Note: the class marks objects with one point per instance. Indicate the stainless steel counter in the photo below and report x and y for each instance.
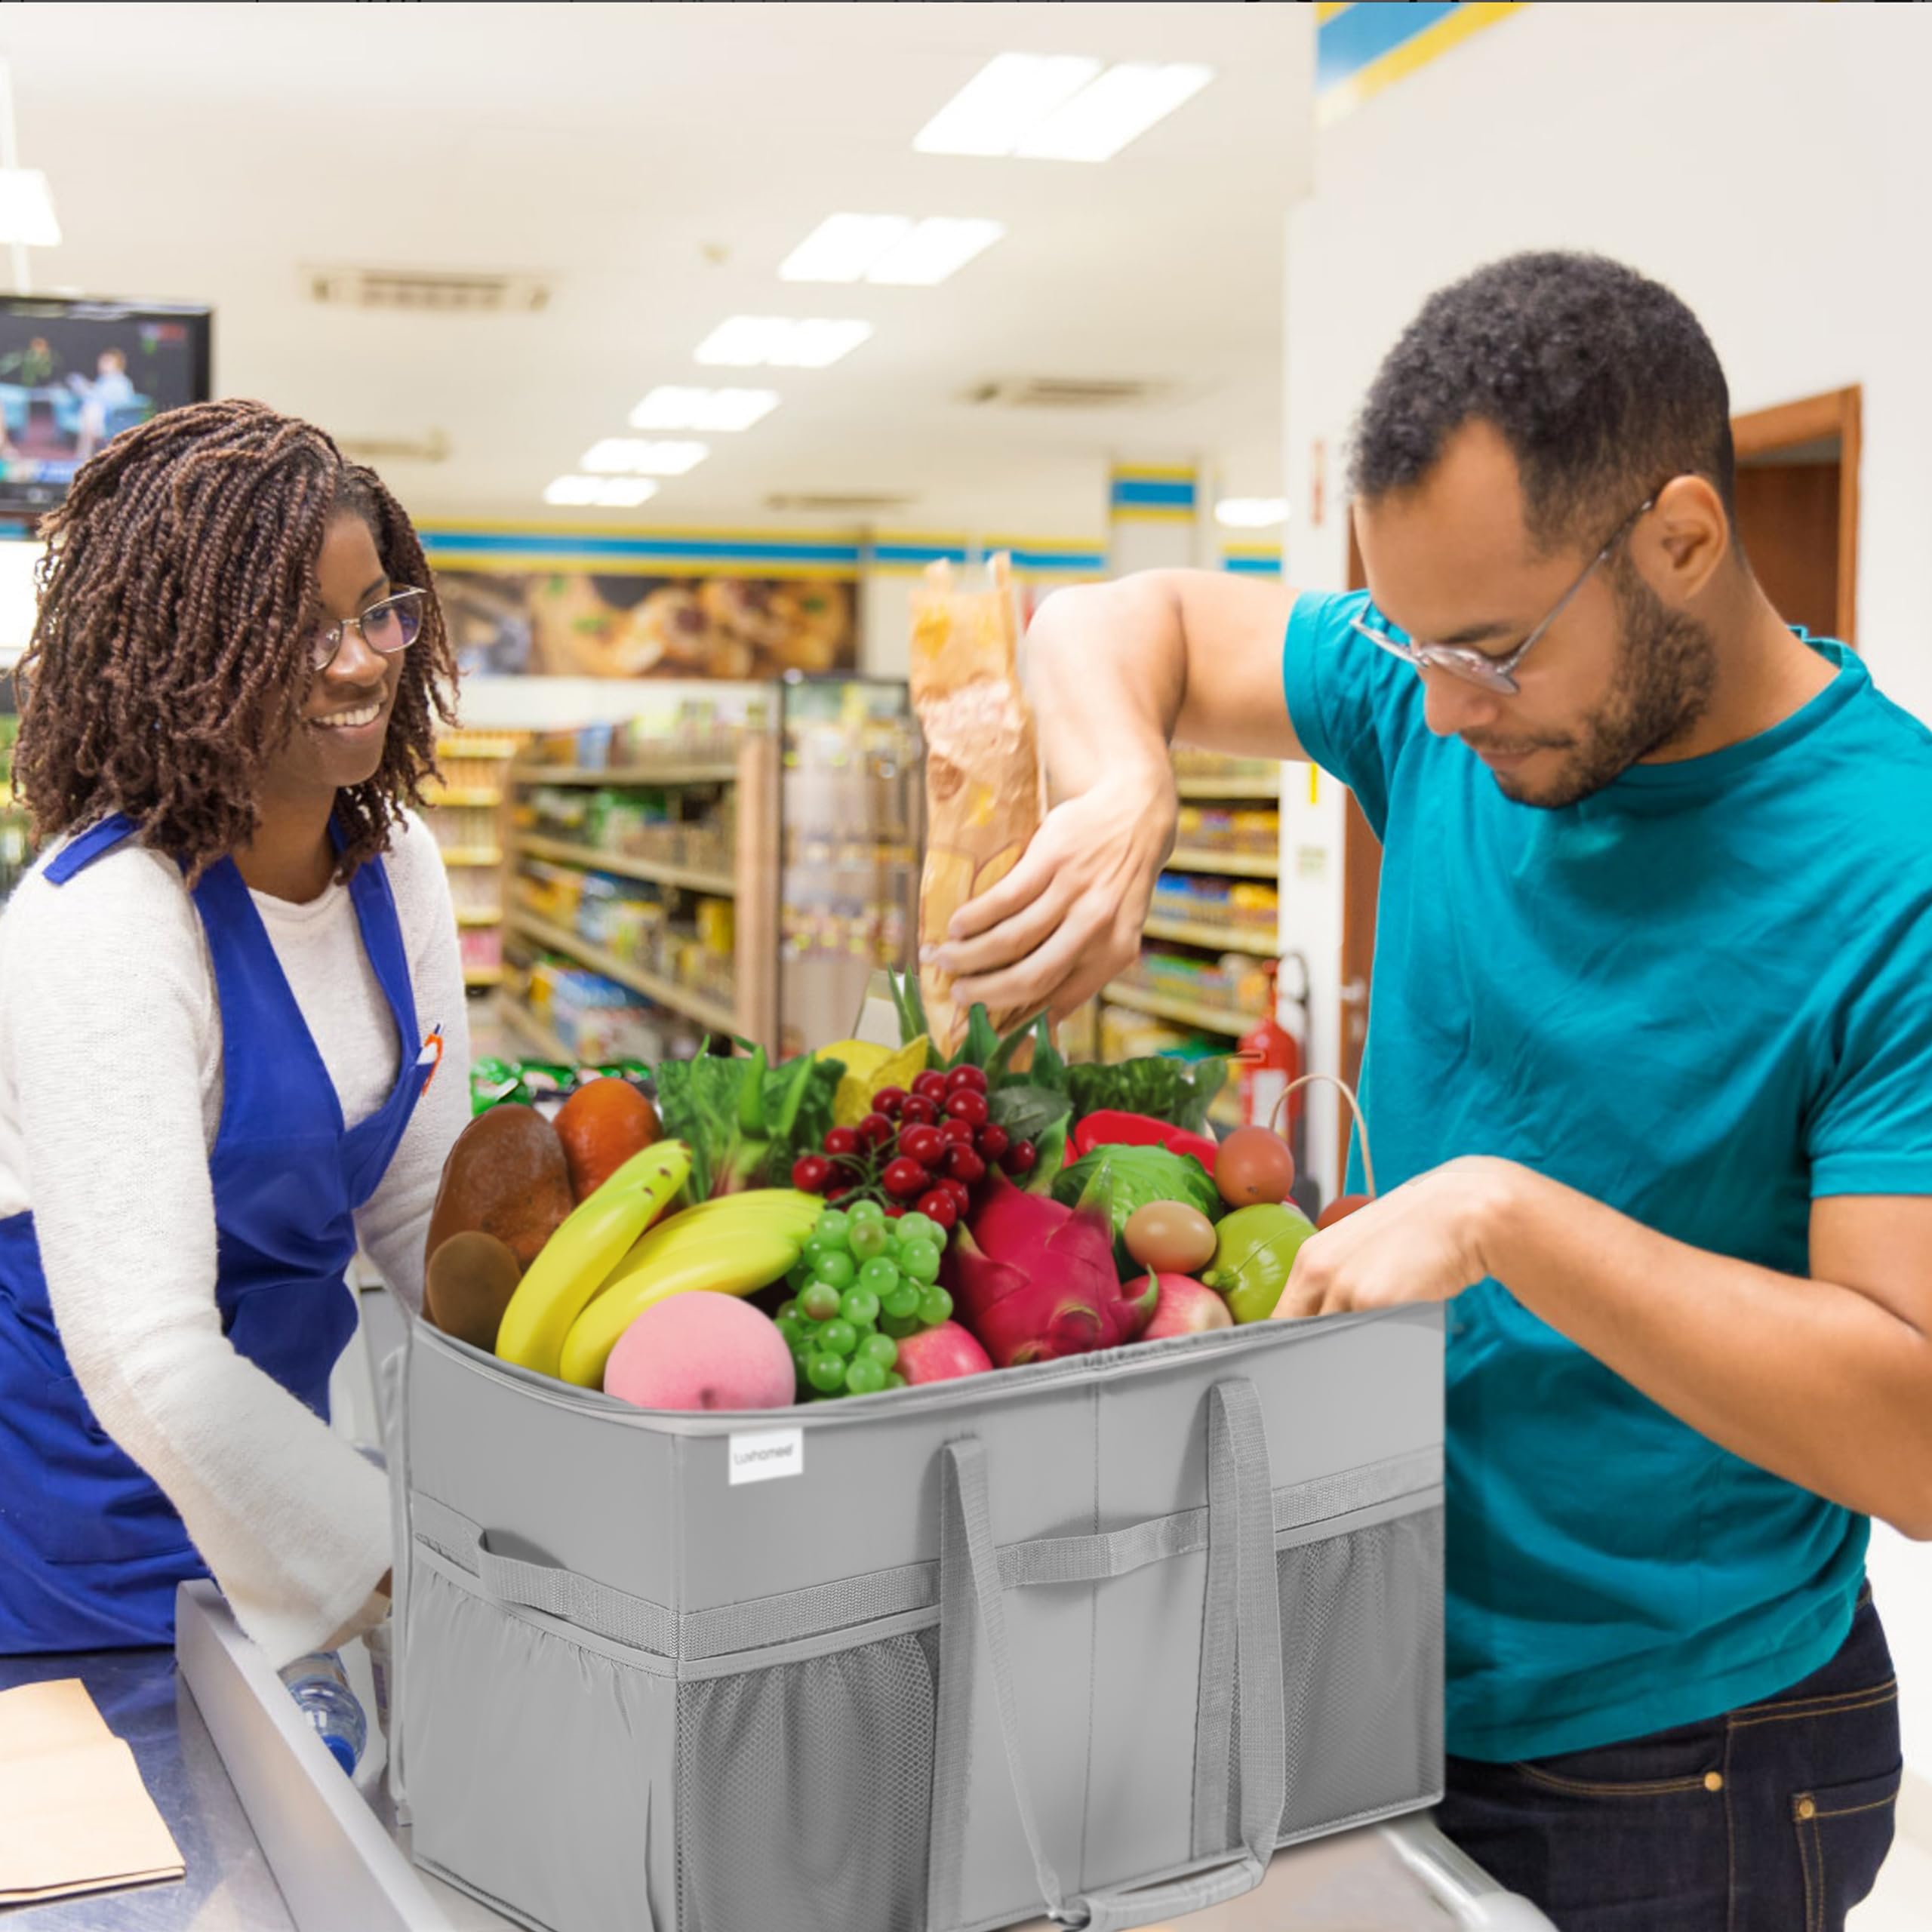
(228, 1887)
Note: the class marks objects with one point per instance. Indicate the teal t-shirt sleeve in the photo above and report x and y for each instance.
(1353, 707)
(1871, 1128)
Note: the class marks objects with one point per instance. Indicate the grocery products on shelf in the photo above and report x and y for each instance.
(1233, 831)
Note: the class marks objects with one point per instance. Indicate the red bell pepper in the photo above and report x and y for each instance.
(1110, 1128)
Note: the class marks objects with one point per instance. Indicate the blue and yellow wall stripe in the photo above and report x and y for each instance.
(515, 547)
(1252, 559)
(1137, 494)
(1363, 46)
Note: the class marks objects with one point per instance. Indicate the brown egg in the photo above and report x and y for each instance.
(467, 1286)
(1170, 1237)
(1253, 1165)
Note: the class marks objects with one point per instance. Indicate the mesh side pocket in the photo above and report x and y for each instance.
(1362, 1662)
(805, 1790)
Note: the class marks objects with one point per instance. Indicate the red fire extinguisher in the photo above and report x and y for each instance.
(1270, 1058)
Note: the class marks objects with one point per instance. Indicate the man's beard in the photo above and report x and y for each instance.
(1666, 666)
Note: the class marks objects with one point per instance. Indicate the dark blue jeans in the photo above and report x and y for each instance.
(1773, 1818)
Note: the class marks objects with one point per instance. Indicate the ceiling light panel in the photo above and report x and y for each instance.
(631, 456)
(1011, 93)
(843, 247)
(1059, 107)
(672, 406)
(746, 342)
(1118, 108)
(614, 492)
(1251, 512)
(935, 248)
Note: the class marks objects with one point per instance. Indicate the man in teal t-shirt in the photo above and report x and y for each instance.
(1650, 1076)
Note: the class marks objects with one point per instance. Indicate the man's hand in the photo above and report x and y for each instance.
(1068, 917)
(1428, 1241)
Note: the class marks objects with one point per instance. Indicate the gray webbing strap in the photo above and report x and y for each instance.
(549, 1587)
(1241, 1594)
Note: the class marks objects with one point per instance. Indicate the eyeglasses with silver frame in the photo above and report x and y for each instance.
(1494, 674)
(388, 627)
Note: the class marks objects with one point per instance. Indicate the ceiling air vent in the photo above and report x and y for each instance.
(432, 448)
(832, 502)
(1065, 392)
(427, 291)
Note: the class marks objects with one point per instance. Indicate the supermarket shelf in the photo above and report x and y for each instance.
(459, 795)
(532, 1031)
(1193, 787)
(1232, 864)
(1182, 1012)
(453, 748)
(711, 772)
(565, 852)
(667, 992)
(1222, 938)
(482, 976)
(479, 916)
(471, 855)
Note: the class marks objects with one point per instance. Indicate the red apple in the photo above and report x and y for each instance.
(1185, 1308)
(941, 1354)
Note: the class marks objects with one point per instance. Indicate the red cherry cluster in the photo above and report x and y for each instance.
(931, 1149)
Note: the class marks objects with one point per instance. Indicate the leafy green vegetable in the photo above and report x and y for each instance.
(1026, 1112)
(1138, 1175)
(980, 1043)
(1051, 1147)
(745, 1122)
(1049, 1068)
(1177, 1091)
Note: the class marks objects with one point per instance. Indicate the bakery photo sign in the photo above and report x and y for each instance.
(580, 624)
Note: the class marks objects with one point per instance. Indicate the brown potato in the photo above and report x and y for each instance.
(506, 1176)
(467, 1286)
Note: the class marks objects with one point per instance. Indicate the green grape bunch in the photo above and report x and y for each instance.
(862, 1284)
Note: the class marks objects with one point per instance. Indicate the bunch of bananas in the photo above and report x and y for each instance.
(601, 1270)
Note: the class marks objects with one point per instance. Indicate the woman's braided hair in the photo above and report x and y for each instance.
(170, 662)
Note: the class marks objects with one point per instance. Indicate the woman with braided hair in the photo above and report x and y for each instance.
(224, 990)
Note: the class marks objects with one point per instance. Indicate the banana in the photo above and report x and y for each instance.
(778, 1209)
(736, 1261)
(578, 1260)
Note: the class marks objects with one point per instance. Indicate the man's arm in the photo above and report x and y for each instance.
(1117, 672)
(1826, 1382)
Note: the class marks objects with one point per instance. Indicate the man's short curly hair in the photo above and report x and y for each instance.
(1602, 382)
(170, 661)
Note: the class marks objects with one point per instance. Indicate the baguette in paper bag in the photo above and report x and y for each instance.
(983, 792)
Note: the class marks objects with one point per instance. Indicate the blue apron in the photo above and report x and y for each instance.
(90, 1550)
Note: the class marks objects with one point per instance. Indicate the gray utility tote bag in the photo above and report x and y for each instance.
(1092, 1637)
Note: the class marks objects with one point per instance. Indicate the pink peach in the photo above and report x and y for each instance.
(701, 1351)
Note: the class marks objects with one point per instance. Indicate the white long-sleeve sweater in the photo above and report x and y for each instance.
(110, 1097)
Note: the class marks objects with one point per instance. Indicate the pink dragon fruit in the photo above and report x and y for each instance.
(1035, 1281)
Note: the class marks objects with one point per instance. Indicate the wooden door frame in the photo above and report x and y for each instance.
(1837, 413)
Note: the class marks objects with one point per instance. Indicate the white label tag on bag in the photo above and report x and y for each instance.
(767, 1453)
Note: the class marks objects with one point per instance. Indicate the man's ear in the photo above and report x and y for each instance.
(1686, 537)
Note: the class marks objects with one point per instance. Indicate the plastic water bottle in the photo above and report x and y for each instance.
(320, 1686)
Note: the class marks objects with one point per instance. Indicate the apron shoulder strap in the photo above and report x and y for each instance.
(81, 851)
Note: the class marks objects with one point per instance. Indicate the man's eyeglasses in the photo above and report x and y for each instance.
(1493, 674)
(392, 626)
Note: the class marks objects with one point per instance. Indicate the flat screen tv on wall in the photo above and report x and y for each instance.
(76, 371)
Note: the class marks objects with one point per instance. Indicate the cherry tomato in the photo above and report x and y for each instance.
(895, 1213)
(940, 1208)
(903, 1178)
(1022, 1158)
(961, 1195)
(930, 1086)
(875, 1129)
(961, 1130)
(992, 1140)
(922, 1144)
(921, 1109)
(888, 1100)
(810, 1175)
(972, 1079)
(964, 1104)
(842, 1141)
(962, 1164)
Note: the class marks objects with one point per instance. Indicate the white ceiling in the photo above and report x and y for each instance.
(655, 163)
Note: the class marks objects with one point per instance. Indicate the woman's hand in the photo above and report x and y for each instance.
(1067, 918)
